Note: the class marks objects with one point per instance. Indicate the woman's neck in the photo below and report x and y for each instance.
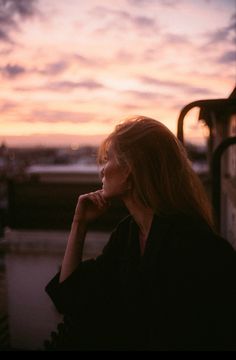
(142, 215)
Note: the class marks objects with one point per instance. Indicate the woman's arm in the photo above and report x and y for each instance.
(89, 207)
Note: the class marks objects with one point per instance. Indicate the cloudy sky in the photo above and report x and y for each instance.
(71, 69)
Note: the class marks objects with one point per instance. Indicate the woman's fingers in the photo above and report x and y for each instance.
(94, 198)
(98, 198)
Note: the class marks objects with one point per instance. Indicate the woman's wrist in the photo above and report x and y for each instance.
(79, 221)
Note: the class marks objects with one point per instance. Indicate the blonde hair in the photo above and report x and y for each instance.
(162, 175)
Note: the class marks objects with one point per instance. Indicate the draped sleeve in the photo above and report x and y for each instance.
(93, 280)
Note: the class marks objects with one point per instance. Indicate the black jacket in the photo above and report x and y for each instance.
(180, 295)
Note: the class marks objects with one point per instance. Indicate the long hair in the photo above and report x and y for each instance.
(161, 173)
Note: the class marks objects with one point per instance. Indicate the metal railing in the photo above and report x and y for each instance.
(216, 176)
(215, 105)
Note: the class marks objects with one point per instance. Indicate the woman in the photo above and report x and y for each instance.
(165, 280)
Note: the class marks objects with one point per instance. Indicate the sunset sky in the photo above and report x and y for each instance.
(72, 69)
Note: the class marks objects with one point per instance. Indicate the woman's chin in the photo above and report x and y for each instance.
(107, 195)
(104, 192)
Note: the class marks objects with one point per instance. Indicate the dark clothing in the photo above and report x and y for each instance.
(180, 295)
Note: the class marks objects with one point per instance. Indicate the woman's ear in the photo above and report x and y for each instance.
(127, 176)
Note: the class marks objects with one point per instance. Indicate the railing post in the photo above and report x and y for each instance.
(216, 177)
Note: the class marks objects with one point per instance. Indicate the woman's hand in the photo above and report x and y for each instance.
(90, 206)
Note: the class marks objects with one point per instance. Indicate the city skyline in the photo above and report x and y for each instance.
(70, 70)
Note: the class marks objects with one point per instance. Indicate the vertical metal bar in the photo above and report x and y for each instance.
(216, 177)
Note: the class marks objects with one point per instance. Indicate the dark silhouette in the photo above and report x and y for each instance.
(166, 279)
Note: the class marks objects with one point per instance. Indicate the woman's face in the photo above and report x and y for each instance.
(114, 177)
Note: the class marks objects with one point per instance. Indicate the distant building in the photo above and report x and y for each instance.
(76, 172)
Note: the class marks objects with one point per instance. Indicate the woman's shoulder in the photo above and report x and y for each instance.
(194, 231)
(190, 225)
(194, 245)
(184, 223)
